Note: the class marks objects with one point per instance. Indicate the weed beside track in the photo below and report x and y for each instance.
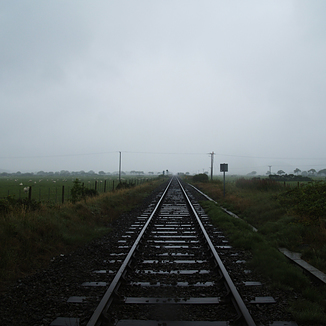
(30, 238)
(278, 225)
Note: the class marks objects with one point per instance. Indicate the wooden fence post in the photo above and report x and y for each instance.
(30, 193)
(95, 185)
(63, 194)
(113, 186)
(104, 185)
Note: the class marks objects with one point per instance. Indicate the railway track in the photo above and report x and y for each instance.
(167, 270)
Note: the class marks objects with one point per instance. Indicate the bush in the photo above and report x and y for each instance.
(9, 203)
(258, 184)
(201, 177)
(79, 192)
(307, 201)
(125, 185)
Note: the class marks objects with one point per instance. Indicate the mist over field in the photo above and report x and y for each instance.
(165, 83)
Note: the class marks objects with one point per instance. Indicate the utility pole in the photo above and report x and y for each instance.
(119, 167)
(270, 169)
(212, 161)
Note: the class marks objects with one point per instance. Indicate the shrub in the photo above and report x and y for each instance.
(258, 184)
(10, 203)
(201, 177)
(79, 192)
(307, 201)
(125, 185)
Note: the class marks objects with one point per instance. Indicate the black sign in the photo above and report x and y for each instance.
(224, 167)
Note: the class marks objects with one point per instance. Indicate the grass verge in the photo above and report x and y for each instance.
(276, 229)
(29, 239)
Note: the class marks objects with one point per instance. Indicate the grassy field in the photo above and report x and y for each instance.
(30, 235)
(285, 216)
(49, 189)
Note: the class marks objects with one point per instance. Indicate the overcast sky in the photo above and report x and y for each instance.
(164, 82)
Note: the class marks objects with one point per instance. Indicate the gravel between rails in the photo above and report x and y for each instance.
(41, 298)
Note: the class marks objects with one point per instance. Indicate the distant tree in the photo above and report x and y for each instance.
(101, 173)
(297, 171)
(252, 173)
(322, 172)
(268, 173)
(28, 174)
(136, 172)
(40, 173)
(312, 171)
(280, 172)
(64, 172)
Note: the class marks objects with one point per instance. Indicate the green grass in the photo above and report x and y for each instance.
(49, 188)
(267, 260)
(30, 238)
(276, 228)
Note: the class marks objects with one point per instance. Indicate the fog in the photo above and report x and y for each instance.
(163, 82)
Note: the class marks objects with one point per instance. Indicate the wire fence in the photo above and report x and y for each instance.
(60, 193)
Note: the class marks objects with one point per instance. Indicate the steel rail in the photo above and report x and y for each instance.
(237, 298)
(107, 298)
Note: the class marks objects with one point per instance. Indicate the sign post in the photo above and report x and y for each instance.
(224, 168)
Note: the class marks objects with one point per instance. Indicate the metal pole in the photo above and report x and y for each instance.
(224, 184)
(212, 161)
(119, 167)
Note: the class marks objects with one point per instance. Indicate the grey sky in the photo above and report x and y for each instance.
(165, 83)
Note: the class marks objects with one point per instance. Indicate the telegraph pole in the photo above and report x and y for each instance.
(212, 161)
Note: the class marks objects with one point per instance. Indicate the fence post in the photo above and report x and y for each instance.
(63, 194)
(104, 185)
(30, 193)
(95, 185)
(113, 186)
